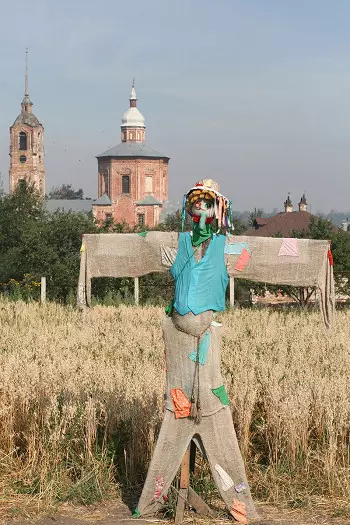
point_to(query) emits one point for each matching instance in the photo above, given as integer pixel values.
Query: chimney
(288, 206)
(303, 203)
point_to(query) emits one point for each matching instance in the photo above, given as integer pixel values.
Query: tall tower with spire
(132, 176)
(27, 146)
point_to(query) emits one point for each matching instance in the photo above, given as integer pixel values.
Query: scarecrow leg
(173, 440)
(222, 449)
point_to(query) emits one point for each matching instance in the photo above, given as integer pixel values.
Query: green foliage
(258, 212)
(37, 243)
(66, 192)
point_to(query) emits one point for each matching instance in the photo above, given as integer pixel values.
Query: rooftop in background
(104, 200)
(66, 205)
(133, 149)
(284, 223)
(149, 200)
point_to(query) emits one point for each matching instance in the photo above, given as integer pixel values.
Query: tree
(35, 242)
(66, 192)
(258, 212)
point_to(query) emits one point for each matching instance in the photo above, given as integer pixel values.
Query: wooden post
(43, 290)
(232, 291)
(186, 493)
(136, 290)
(184, 485)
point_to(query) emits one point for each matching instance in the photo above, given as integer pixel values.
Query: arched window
(149, 184)
(106, 183)
(125, 184)
(23, 141)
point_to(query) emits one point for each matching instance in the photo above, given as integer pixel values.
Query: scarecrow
(196, 402)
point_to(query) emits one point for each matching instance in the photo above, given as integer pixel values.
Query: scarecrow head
(204, 203)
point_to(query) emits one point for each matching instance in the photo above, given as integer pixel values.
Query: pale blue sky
(254, 93)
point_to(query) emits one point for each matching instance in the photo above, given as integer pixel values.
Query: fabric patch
(240, 487)
(203, 350)
(330, 258)
(221, 393)
(239, 512)
(136, 513)
(158, 488)
(289, 247)
(226, 481)
(242, 260)
(236, 248)
(182, 405)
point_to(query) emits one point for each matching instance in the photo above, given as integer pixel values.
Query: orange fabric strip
(181, 404)
(242, 260)
(239, 512)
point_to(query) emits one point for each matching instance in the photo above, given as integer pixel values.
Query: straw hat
(203, 189)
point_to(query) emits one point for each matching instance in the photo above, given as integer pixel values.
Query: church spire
(133, 122)
(133, 97)
(26, 102)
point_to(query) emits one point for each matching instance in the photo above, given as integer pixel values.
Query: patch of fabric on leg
(158, 488)
(240, 487)
(239, 512)
(136, 513)
(221, 393)
(226, 481)
(203, 350)
(182, 405)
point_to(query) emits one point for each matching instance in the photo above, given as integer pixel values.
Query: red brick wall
(123, 205)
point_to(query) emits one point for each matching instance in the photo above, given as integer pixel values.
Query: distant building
(284, 223)
(68, 205)
(345, 224)
(132, 176)
(27, 146)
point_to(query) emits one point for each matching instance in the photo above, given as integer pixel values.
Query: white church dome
(133, 118)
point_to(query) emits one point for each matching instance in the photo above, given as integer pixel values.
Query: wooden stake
(43, 290)
(232, 291)
(184, 484)
(136, 290)
(186, 493)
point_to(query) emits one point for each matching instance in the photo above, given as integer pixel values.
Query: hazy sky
(253, 93)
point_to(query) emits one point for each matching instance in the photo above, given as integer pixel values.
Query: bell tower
(27, 146)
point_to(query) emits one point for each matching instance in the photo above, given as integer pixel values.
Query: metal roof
(27, 118)
(149, 200)
(104, 200)
(133, 149)
(66, 205)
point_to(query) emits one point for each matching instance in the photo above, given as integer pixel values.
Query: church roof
(133, 149)
(149, 200)
(104, 200)
(27, 118)
(69, 205)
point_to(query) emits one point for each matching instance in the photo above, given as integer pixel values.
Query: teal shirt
(200, 286)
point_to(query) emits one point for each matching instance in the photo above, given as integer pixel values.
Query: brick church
(27, 146)
(132, 176)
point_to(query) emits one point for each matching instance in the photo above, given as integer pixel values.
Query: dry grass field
(81, 402)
